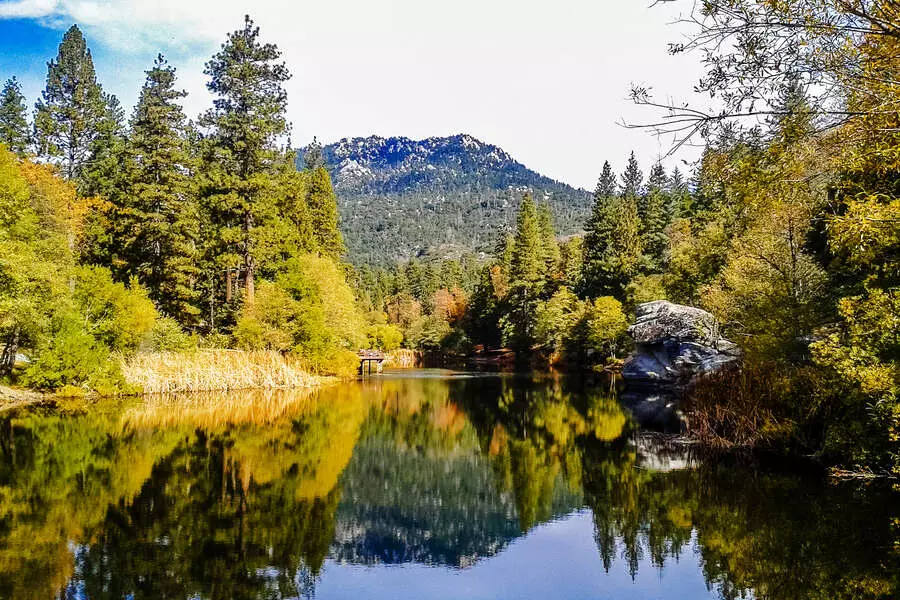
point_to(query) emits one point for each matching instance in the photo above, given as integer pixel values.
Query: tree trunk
(249, 264)
(10, 349)
(249, 280)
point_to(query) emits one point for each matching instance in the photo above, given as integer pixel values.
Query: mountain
(445, 196)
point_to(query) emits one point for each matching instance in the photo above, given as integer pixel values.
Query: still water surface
(423, 484)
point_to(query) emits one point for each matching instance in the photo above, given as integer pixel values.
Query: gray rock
(662, 321)
(675, 344)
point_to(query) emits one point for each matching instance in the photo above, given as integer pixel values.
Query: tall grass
(403, 359)
(749, 407)
(216, 370)
(214, 410)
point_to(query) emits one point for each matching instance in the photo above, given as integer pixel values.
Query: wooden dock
(371, 359)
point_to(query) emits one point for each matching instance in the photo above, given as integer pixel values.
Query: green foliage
(580, 331)
(555, 321)
(155, 215)
(168, 336)
(71, 109)
(428, 333)
(322, 204)
(271, 322)
(14, 131)
(613, 248)
(119, 316)
(604, 325)
(72, 358)
(241, 159)
(382, 336)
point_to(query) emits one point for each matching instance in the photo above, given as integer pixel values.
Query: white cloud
(546, 81)
(28, 9)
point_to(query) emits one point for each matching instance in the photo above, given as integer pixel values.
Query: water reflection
(280, 495)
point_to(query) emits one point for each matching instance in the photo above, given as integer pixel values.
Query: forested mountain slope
(400, 198)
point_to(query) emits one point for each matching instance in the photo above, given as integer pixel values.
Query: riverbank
(13, 397)
(217, 370)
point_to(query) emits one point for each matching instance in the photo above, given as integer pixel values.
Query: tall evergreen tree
(322, 204)
(100, 176)
(549, 245)
(13, 118)
(159, 217)
(526, 264)
(314, 158)
(632, 178)
(598, 232)
(72, 107)
(658, 179)
(246, 122)
(606, 185)
(526, 277)
(679, 194)
(615, 251)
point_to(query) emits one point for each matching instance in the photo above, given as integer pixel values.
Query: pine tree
(606, 185)
(13, 118)
(527, 264)
(69, 115)
(322, 204)
(598, 230)
(159, 218)
(526, 277)
(615, 251)
(679, 194)
(314, 158)
(243, 159)
(549, 245)
(632, 178)
(102, 174)
(658, 179)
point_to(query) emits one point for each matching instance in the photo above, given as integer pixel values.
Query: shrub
(605, 325)
(118, 316)
(73, 357)
(427, 333)
(338, 362)
(270, 322)
(384, 337)
(168, 336)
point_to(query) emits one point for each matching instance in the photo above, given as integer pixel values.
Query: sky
(546, 81)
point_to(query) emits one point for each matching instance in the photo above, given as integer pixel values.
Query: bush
(332, 361)
(384, 337)
(554, 320)
(73, 357)
(270, 322)
(646, 288)
(427, 333)
(168, 336)
(605, 325)
(118, 316)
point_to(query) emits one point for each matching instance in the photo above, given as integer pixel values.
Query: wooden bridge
(373, 359)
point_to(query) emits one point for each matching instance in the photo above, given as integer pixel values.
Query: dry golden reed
(215, 370)
(403, 359)
(213, 410)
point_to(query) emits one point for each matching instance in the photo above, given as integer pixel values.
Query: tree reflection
(248, 496)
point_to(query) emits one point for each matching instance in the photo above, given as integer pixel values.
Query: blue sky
(548, 82)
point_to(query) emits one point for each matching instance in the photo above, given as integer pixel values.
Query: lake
(415, 485)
